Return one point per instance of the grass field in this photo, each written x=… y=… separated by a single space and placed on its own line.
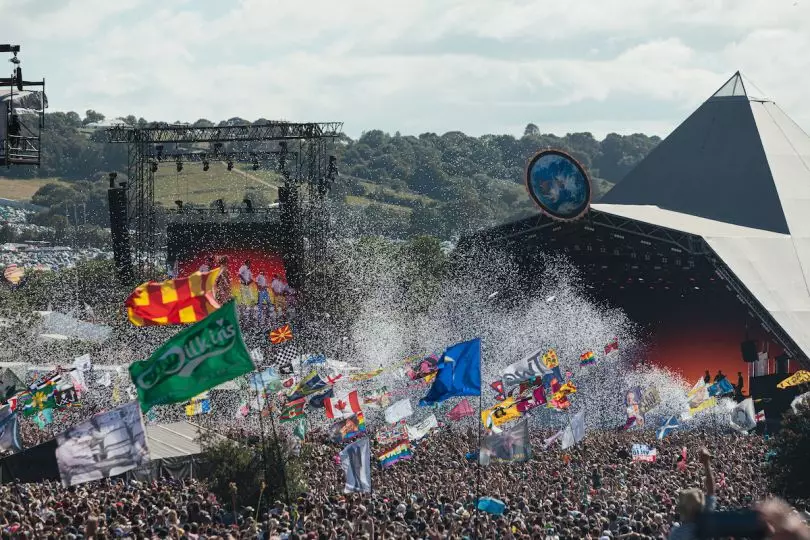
x=354 y=200
x=22 y=190
x=193 y=185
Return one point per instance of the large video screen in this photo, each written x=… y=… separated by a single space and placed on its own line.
x=255 y=271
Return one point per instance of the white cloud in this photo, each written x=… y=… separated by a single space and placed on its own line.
x=391 y=64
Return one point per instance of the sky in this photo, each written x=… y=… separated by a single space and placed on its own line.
x=478 y=66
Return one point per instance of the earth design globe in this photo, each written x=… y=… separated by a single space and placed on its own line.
x=558 y=184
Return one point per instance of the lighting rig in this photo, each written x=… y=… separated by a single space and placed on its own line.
x=22 y=115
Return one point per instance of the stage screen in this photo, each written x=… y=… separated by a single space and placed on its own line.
x=252 y=250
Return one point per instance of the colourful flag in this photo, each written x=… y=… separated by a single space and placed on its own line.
x=196 y=359
x=587 y=358
x=550 y=359
x=500 y=395
x=537 y=399
x=265 y=380
x=348 y=428
x=400 y=452
x=175 y=301
x=342 y=406
x=389 y=435
x=311 y=384
x=199 y=405
x=280 y=335
x=292 y=410
x=612 y=346
x=463 y=409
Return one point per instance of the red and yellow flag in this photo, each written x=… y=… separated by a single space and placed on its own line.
x=281 y=335
x=183 y=300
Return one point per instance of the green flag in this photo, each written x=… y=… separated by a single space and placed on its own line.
x=300 y=430
x=198 y=358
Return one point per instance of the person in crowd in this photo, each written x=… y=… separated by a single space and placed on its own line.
x=720 y=376
x=738 y=390
x=264 y=303
x=223 y=290
x=245 y=279
x=279 y=289
x=692 y=502
x=707 y=378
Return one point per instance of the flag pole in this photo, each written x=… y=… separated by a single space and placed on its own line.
x=478 y=452
x=279 y=456
x=261 y=431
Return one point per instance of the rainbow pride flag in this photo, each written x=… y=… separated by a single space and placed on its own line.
x=399 y=452
x=587 y=358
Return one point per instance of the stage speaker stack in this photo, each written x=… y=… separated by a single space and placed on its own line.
x=748 y=349
x=117 y=198
x=292 y=235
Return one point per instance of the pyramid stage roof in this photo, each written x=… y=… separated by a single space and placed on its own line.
x=731 y=184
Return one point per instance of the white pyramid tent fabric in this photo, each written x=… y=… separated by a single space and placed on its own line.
x=736 y=173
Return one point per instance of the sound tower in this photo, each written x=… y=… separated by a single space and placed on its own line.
x=117 y=198
x=748 y=349
x=292 y=237
x=782 y=364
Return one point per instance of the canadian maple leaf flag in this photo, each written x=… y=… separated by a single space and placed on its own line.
x=342 y=406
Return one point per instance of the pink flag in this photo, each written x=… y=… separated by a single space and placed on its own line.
x=461 y=410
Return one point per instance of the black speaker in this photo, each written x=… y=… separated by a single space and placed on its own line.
x=117 y=197
x=749 y=351
x=782 y=364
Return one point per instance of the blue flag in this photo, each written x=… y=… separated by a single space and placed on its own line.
x=720 y=388
x=670 y=425
x=459 y=373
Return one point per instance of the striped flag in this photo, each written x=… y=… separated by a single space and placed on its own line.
x=293 y=410
x=612 y=346
x=13 y=274
x=587 y=358
x=342 y=406
x=183 y=300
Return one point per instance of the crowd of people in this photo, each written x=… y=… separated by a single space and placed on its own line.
x=593 y=490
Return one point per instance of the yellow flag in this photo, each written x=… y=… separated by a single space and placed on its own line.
x=500 y=413
x=800 y=377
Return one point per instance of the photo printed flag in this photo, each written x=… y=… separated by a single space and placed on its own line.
x=106 y=445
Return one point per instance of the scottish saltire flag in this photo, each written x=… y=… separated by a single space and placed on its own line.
x=355 y=460
x=459 y=373
x=670 y=424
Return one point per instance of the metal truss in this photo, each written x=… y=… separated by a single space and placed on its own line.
x=270 y=131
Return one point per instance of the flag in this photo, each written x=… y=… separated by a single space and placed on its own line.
x=743 y=416
x=13 y=274
x=421 y=429
x=500 y=413
x=348 y=428
x=292 y=410
x=720 y=388
x=366 y=375
x=316 y=401
x=612 y=346
x=642 y=452
x=43 y=418
x=670 y=424
x=459 y=373
x=575 y=431
x=400 y=452
x=9 y=430
x=537 y=399
x=511 y=445
x=315 y=360
x=389 y=435
x=500 y=395
x=760 y=417
x=587 y=358
x=280 y=335
x=199 y=405
x=108 y=444
x=378 y=399
x=175 y=301
x=525 y=369
x=10 y=384
x=548 y=442
x=266 y=380
x=460 y=411
x=550 y=359
x=399 y=410
x=283 y=357
x=83 y=362
x=560 y=398
x=342 y=406
x=355 y=460
x=300 y=430
x=196 y=359
x=309 y=385
x=650 y=399
x=800 y=377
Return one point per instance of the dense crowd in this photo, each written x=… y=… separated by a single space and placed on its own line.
x=594 y=490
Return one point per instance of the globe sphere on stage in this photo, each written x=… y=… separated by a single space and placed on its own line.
x=558 y=184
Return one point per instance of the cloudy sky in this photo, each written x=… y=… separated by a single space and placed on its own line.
x=480 y=66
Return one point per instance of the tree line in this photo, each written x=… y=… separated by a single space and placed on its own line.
x=400 y=184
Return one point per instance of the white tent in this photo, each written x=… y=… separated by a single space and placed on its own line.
x=737 y=174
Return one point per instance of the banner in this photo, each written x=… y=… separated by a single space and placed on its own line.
x=525 y=369
x=196 y=359
x=642 y=452
x=106 y=445
x=355 y=460
x=511 y=445
x=174 y=301
x=800 y=377
x=399 y=410
x=420 y=429
x=9 y=431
